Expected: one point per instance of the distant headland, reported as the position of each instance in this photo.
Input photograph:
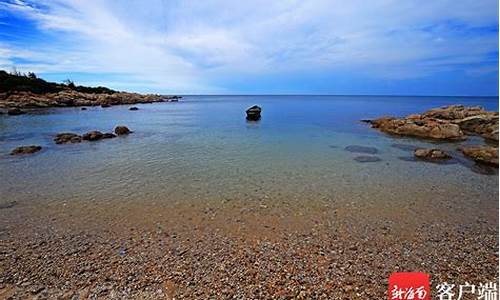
(19, 91)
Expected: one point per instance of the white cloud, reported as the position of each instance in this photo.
(188, 45)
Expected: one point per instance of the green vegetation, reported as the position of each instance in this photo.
(17, 82)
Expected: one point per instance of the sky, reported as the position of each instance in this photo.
(356, 47)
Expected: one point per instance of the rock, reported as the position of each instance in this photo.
(453, 112)
(481, 154)
(425, 128)
(15, 112)
(361, 149)
(449, 122)
(26, 150)
(92, 136)
(120, 130)
(108, 135)
(67, 137)
(253, 113)
(84, 108)
(485, 125)
(104, 105)
(431, 154)
(133, 108)
(365, 159)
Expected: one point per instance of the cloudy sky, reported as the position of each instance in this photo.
(402, 47)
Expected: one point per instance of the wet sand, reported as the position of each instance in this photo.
(333, 248)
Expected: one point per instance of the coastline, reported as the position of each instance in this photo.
(187, 210)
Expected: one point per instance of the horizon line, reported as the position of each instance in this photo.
(344, 95)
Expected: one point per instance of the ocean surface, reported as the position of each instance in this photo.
(202, 149)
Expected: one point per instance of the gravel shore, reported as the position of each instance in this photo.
(239, 250)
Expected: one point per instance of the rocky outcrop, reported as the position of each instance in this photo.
(253, 113)
(431, 154)
(67, 137)
(121, 130)
(69, 97)
(26, 150)
(419, 127)
(481, 154)
(448, 123)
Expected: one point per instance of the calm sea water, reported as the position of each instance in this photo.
(203, 149)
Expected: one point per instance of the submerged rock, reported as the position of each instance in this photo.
(120, 130)
(405, 147)
(92, 136)
(26, 150)
(481, 154)
(15, 112)
(431, 154)
(361, 149)
(67, 137)
(253, 113)
(84, 108)
(133, 108)
(365, 159)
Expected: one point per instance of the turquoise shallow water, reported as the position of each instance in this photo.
(202, 149)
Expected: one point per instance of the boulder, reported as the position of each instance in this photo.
(67, 137)
(133, 108)
(120, 130)
(92, 136)
(26, 150)
(431, 154)
(15, 112)
(253, 113)
(481, 154)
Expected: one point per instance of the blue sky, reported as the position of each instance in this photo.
(396, 47)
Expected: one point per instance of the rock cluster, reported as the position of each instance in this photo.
(94, 135)
(453, 122)
(73, 98)
(26, 150)
(449, 123)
